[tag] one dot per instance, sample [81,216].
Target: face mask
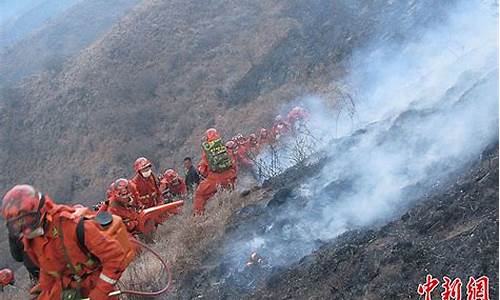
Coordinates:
[35,233]
[146,174]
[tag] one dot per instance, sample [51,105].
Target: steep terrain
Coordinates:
[169,70]
[412,190]
[453,231]
[48,45]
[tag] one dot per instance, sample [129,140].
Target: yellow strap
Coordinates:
[54,274]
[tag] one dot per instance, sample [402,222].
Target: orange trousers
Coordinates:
[208,187]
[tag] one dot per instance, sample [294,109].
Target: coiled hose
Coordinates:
[147,294]
[167,269]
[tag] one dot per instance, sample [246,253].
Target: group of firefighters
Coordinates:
[71,250]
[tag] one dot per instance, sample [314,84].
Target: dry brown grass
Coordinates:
[184,240]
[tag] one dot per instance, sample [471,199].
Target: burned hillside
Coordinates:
[391,174]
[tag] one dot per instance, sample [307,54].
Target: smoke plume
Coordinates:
[424,109]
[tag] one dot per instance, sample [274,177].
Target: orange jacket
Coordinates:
[208,186]
[176,191]
[280,129]
[242,155]
[234,159]
[203,165]
[148,190]
[296,115]
[128,211]
[47,252]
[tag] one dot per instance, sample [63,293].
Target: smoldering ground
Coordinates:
[424,108]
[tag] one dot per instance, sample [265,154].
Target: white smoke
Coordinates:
[425,108]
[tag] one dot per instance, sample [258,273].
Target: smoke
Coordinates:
[424,109]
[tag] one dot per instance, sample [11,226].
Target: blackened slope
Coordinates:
[453,232]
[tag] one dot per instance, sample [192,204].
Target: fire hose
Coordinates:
[147,294]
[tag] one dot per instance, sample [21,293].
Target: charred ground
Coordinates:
[452,231]
[169,69]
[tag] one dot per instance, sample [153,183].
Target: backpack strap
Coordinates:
[80,235]
[69,264]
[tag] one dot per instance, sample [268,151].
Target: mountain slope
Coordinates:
[451,232]
[29,16]
[171,69]
[49,45]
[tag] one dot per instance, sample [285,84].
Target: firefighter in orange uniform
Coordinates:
[280,128]
[216,166]
[264,138]
[172,186]
[48,232]
[296,116]
[123,202]
[146,183]
[232,149]
[242,152]
[253,146]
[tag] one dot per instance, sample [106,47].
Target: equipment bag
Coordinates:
[217,156]
[112,227]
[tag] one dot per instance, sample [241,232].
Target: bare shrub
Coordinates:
[291,150]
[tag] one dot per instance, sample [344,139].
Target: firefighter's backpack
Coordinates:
[217,156]
[111,226]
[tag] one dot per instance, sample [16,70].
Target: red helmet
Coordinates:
[297,113]
[141,163]
[6,277]
[212,135]
[22,208]
[231,145]
[169,176]
[121,188]
[240,138]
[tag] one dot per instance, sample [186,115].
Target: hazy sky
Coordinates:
[10,8]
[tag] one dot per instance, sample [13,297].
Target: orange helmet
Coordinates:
[169,176]
[296,110]
[240,138]
[231,145]
[23,208]
[212,135]
[297,113]
[141,163]
[6,277]
[121,189]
